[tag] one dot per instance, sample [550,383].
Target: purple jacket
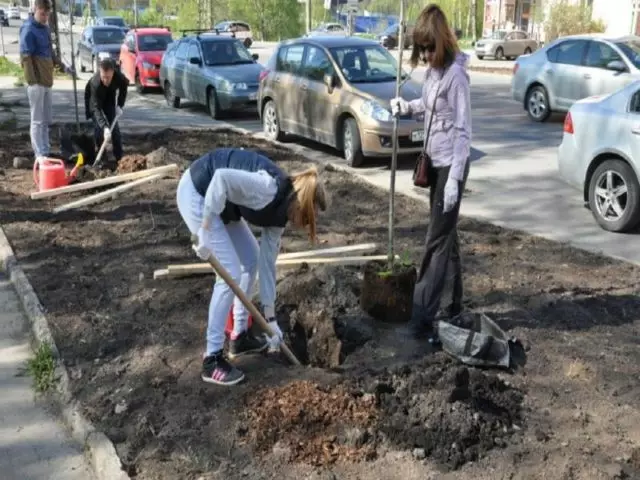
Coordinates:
[450,136]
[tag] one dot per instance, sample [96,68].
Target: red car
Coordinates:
[141,54]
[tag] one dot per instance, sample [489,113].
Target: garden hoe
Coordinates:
[255,313]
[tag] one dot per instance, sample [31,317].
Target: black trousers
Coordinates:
[442,247]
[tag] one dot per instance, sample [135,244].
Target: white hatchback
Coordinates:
[600,155]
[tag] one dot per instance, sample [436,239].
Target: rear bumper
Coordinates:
[569,160]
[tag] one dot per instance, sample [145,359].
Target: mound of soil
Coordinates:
[131,163]
[435,408]
[320,310]
[162,156]
[312,423]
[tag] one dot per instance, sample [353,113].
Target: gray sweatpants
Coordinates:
[41,117]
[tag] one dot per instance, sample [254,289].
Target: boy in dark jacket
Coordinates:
[107,95]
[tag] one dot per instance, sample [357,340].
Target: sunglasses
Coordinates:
[428,48]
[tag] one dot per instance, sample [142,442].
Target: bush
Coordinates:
[570,19]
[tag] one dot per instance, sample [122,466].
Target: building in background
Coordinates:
[620,16]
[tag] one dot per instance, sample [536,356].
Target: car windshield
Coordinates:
[117,21]
[631,49]
[498,35]
[154,43]
[366,64]
[231,52]
[107,36]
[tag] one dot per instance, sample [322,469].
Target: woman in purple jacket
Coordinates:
[446,92]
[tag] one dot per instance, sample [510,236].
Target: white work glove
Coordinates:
[450,194]
[399,106]
[107,134]
[118,112]
[201,249]
[276,339]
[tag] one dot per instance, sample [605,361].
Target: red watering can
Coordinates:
[50,173]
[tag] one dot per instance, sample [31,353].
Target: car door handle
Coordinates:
[635,130]
[549,70]
[304,86]
[587,76]
[276,79]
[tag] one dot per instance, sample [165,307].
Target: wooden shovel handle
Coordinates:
[255,313]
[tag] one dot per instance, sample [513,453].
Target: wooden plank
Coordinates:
[362,247]
[111,193]
[177,271]
[165,169]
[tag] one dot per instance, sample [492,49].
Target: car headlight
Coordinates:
[225,85]
[240,86]
[376,111]
[102,55]
[148,66]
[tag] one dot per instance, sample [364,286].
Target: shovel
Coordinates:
[255,313]
[104,144]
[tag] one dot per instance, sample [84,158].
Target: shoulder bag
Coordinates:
[421,170]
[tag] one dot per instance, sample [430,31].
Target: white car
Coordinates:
[14,13]
[600,155]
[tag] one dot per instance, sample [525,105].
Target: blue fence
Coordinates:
[369,24]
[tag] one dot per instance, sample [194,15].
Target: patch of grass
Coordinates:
[403,262]
[42,368]
[9,68]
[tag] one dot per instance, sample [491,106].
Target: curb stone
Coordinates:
[98,449]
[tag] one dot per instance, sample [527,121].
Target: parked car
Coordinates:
[505,44]
[600,156]
[96,43]
[389,38]
[327,29]
[14,13]
[141,56]
[212,70]
[571,68]
[113,22]
[336,90]
[4,18]
[235,29]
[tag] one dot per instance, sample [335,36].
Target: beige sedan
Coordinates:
[503,44]
[336,91]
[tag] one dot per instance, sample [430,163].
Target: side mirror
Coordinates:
[330,82]
[617,66]
[255,56]
[195,61]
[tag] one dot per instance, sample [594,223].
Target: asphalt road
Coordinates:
[513,180]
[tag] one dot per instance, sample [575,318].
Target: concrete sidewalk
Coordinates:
[33,445]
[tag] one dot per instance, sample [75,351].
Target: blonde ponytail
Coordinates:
[310,195]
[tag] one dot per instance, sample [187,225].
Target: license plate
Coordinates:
[253,96]
[417,136]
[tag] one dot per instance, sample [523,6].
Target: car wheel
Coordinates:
[212,104]
[614,196]
[351,143]
[537,104]
[480,57]
[139,88]
[527,51]
[270,122]
[170,95]
[499,54]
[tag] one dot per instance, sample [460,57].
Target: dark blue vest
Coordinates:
[274,214]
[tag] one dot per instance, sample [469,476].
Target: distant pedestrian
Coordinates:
[445,103]
[38,60]
[107,91]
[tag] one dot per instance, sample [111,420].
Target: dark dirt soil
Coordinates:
[133,345]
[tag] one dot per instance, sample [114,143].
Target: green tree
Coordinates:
[570,19]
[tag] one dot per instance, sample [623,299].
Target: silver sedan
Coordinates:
[571,68]
[600,156]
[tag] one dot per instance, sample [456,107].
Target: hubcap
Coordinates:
[537,104]
[611,196]
[270,121]
[348,144]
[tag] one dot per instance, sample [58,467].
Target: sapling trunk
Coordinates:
[394,153]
